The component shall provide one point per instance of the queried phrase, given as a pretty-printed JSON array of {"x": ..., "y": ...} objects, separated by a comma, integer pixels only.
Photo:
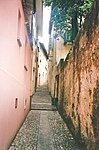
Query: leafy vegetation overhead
[{"x": 67, "y": 15}]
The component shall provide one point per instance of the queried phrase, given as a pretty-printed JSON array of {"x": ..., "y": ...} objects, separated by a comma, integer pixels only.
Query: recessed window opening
[{"x": 19, "y": 29}]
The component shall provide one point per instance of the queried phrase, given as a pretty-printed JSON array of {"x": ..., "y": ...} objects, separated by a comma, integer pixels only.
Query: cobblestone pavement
[
  {"x": 41, "y": 100},
  {"x": 43, "y": 129}
]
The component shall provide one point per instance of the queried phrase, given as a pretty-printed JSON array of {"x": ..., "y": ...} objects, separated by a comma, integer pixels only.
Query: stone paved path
[
  {"x": 41, "y": 100},
  {"x": 43, "y": 129}
]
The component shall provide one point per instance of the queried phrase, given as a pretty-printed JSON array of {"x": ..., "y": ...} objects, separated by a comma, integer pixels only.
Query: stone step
[{"x": 42, "y": 106}]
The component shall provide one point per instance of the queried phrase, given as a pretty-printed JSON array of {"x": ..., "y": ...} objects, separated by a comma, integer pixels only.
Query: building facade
[
  {"x": 37, "y": 32},
  {"x": 57, "y": 51},
  {"x": 42, "y": 66},
  {"x": 76, "y": 83},
  {"x": 15, "y": 70},
  {"x": 33, "y": 10}
]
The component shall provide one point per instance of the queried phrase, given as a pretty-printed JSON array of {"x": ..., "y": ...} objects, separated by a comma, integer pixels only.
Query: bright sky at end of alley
[{"x": 46, "y": 18}]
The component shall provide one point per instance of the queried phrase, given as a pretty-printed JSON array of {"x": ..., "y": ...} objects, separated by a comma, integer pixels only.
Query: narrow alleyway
[{"x": 43, "y": 128}]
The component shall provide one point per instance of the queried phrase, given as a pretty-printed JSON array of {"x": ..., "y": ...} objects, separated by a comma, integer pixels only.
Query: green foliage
[
  {"x": 63, "y": 12},
  {"x": 86, "y": 7},
  {"x": 61, "y": 21}
]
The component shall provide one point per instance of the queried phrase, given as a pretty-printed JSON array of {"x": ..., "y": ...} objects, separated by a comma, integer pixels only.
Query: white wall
[{"x": 42, "y": 69}]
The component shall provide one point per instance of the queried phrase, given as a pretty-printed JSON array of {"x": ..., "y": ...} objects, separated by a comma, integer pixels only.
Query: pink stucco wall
[{"x": 15, "y": 81}]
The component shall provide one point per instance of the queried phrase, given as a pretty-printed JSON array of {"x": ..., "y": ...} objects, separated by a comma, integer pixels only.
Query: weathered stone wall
[
  {"x": 80, "y": 100},
  {"x": 51, "y": 78},
  {"x": 61, "y": 85}
]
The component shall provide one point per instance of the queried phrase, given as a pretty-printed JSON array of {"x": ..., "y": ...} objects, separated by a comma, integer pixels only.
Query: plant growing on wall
[{"x": 67, "y": 15}]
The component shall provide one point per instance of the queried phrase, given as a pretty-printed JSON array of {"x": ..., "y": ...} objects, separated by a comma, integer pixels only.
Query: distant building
[
  {"x": 37, "y": 31},
  {"x": 58, "y": 49},
  {"x": 33, "y": 10},
  {"x": 42, "y": 65}
]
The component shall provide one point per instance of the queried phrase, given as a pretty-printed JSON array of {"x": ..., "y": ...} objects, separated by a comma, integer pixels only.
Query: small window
[
  {"x": 19, "y": 23},
  {"x": 34, "y": 6},
  {"x": 19, "y": 28},
  {"x": 16, "y": 103},
  {"x": 36, "y": 59}
]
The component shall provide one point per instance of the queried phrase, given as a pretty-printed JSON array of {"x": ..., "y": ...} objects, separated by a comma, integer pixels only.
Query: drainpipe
[{"x": 31, "y": 34}]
